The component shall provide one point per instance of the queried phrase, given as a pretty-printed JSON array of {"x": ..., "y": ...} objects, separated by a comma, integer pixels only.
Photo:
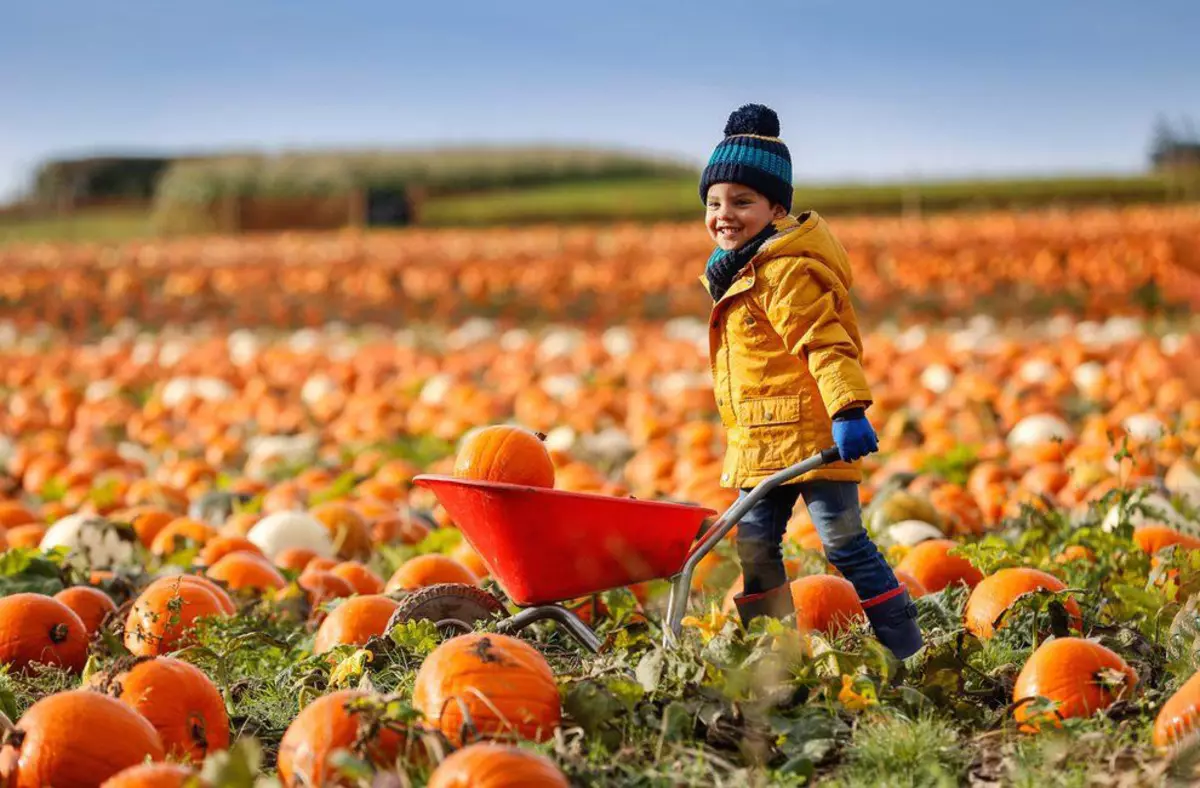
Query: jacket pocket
[{"x": 765, "y": 411}]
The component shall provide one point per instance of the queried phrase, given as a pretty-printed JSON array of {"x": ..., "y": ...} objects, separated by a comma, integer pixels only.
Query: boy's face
[{"x": 737, "y": 213}]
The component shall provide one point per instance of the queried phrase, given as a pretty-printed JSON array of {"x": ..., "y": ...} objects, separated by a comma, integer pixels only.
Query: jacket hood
[{"x": 807, "y": 235}]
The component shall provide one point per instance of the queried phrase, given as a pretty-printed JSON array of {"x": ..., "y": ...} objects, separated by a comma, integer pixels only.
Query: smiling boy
[{"x": 787, "y": 375}]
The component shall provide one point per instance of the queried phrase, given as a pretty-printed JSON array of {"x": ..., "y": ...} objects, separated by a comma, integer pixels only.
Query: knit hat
[{"x": 752, "y": 154}]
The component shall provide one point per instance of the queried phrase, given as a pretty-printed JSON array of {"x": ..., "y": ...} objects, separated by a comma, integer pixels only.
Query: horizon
[{"x": 933, "y": 92}]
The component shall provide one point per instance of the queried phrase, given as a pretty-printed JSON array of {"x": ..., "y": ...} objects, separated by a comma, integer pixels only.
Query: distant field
[{"x": 669, "y": 198}]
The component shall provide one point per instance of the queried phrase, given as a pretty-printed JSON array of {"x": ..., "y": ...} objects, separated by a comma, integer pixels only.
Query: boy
[{"x": 785, "y": 350}]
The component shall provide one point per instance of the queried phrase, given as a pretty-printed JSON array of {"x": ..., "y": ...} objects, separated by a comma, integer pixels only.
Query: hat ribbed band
[{"x": 762, "y": 163}]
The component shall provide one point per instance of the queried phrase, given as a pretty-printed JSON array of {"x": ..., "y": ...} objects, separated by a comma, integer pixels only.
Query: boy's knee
[
  {"x": 755, "y": 552},
  {"x": 843, "y": 531}
]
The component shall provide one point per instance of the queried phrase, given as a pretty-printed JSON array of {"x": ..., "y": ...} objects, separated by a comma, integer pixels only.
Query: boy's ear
[{"x": 780, "y": 211}]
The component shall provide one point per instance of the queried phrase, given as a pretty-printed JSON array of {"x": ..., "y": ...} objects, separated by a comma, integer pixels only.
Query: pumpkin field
[{"x": 223, "y": 565}]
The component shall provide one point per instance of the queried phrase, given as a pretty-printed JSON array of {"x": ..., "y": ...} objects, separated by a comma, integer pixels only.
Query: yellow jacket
[{"x": 785, "y": 352}]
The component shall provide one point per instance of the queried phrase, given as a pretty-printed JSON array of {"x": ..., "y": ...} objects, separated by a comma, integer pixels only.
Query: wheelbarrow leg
[
  {"x": 557, "y": 613},
  {"x": 681, "y": 584}
]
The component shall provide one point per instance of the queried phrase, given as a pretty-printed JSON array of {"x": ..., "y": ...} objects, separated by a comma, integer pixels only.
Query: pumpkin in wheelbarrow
[{"x": 505, "y": 453}]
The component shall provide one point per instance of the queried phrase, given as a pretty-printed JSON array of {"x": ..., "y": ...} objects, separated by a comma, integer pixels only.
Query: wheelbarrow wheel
[{"x": 454, "y": 607}]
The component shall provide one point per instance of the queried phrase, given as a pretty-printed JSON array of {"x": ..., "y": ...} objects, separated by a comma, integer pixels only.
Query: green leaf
[
  {"x": 419, "y": 637},
  {"x": 650, "y": 670}
]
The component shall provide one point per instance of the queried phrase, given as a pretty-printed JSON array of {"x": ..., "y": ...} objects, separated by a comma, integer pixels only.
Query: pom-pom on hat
[{"x": 752, "y": 154}]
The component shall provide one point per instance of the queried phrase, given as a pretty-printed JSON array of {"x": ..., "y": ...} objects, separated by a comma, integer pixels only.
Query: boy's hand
[{"x": 854, "y": 435}]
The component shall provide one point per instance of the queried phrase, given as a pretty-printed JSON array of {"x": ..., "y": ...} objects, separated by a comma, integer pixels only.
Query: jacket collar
[{"x": 744, "y": 279}]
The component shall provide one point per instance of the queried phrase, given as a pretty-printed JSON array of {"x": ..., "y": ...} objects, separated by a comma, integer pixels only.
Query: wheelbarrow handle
[{"x": 682, "y": 582}]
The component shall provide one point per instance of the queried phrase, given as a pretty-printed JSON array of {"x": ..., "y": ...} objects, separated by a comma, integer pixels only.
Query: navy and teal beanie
[{"x": 752, "y": 154}]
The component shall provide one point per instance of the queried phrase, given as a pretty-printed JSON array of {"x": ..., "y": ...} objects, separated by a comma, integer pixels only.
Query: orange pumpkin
[
  {"x": 30, "y": 535},
  {"x": 246, "y": 571},
  {"x": 226, "y": 602},
  {"x": 179, "y": 700},
  {"x": 997, "y": 593},
  {"x": 429, "y": 569},
  {"x": 932, "y": 566},
  {"x": 915, "y": 589},
  {"x": 505, "y": 453},
  {"x": 222, "y": 545},
  {"x": 155, "y": 775},
  {"x": 178, "y": 533},
  {"x": 1152, "y": 538},
  {"x": 39, "y": 629},
  {"x": 325, "y": 726},
  {"x": 503, "y": 684},
  {"x": 358, "y": 575},
  {"x": 323, "y": 585},
  {"x": 1072, "y": 673},
  {"x": 91, "y": 605},
  {"x": 824, "y": 603},
  {"x": 75, "y": 739},
  {"x": 163, "y": 615},
  {"x": 14, "y": 513},
  {"x": 355, "y": 621},
  {"x": 294, "y": 558},
  {"x": 347, "y": 528},
  {"x": 492, "y": 765},
  {"x": 1177, "y": 719}
]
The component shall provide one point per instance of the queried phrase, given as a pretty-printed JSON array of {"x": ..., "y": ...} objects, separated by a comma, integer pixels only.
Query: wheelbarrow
[{"x": 545, "y": 547}]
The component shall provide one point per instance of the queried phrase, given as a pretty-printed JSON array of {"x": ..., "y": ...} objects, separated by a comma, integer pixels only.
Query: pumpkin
[
  {"x": 222, "y": 545},
  {"x": 429, "y": 569},
  {"x": 492, "y": 765},
  {"x": 348, "y": 530},
  {"x": 469, "y": 558},
  {"x": 1176, "y": 721},
  {"x": 1152, "y": 538},
  {"x": 1077, "y": 676},
  {"x": 328, "y": 725},
  {"x": 91, "y": 605},
  {"x": 163, "y": 614},
  {"x": 24, "y": 535},
  {"x": 295, "y": 559},
  {"x": 996, "y": 593},
  {"x": 355, "y": 621},
  {"x": 180, "y": 533},
  {"x": 227, "y": 605},
  {"x": 39, "y": 629},
  {"x": 930, "y": 563},
  {"x": 246, "y": 571},
  {"x": 155, "y": 775},
  {"x": 14, "y": 513},
  {"x": 824, "y": 603},
  {"x": 500, "y": 683},
  {"x": 277, "y": 532},
  {"x": 505, "y": 453},
  {"x": 362, "y": 579},
  {"x": 323, "y": 585},
  {"x": 178, "y": 699},
  {"x": 915, "y": 589},
  {"x": 47, "y": 749},
  {"x": 98, "y": 542}
]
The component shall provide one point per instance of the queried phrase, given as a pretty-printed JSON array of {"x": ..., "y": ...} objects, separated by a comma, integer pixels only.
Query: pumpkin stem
[
  {"x": 540, "y": 435},
  {"x": 59, "y": 633}
]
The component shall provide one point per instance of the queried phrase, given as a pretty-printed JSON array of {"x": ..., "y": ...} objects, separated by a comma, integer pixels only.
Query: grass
[
  {"x": 899, "y": 751},
  {"x": 99, "y": 225},
  {"x": 669, "y": 198}
]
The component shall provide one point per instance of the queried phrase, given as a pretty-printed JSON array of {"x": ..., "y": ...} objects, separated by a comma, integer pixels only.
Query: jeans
[{"x": 837, "y": 516}]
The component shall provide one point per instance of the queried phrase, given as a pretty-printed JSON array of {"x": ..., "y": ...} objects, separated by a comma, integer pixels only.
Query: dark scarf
[{"x": 723, "y": 265}]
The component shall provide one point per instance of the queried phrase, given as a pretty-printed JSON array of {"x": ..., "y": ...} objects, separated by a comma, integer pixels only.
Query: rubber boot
[
  {"x": 893, "y": 616},
  {"x": 775, "y": 603}
]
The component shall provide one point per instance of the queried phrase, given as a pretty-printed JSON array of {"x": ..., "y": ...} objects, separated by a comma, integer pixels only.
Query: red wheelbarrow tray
[{"x": 545, "y": 545}]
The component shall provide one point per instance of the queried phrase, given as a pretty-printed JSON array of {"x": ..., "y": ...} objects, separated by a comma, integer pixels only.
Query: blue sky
[{"x": 865, "y": 90}]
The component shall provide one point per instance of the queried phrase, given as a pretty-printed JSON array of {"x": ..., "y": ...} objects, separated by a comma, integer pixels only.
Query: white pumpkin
[
  {"x": 912, "y": 532},
  {"x": 282, "y": 530},
  {"x": 1037, "y": 429},
  {"x": 95, "y": 540},
  {"x": 1183, "y": 479},
  {"x": 1144, "y": 426},
  {"x": 1159, "y": 508}
]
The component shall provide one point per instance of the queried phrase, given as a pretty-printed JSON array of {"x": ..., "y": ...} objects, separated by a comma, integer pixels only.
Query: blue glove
[{"x": 853, "y": 434}]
